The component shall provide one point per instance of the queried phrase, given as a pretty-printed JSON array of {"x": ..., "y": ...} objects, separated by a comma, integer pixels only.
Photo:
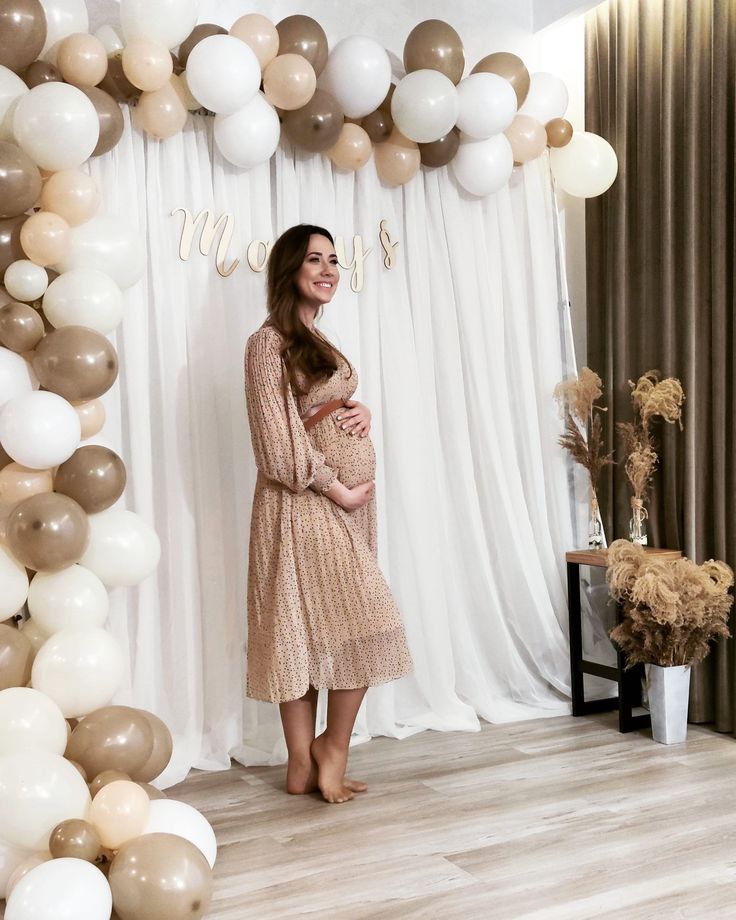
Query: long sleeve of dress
[{"x": 282, "y": 448}]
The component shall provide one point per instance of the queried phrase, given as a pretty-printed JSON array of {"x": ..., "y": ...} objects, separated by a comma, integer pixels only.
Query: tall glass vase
[
  {"x": 637, "y": 526},
  {"x": 595, "y": 531}
]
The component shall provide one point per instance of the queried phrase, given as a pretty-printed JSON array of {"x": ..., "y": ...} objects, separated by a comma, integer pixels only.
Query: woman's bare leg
[{"x": 330, "y": 749}]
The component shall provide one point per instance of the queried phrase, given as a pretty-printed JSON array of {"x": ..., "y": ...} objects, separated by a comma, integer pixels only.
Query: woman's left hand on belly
[{"x": 356, "y": 419}]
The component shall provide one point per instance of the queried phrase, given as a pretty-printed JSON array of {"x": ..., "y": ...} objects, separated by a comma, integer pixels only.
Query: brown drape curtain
[{"x": 661, "y": 248}]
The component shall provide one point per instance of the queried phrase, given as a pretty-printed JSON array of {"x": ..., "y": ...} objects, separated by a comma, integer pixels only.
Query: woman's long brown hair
[{"x": 302, "y": 351}]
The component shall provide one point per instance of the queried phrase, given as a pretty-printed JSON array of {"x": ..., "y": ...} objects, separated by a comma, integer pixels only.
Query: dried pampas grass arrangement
[{"x": 673, "y": 608}]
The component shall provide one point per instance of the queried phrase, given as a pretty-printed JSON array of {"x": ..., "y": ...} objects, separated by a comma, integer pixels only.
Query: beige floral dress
[{"x": 320, "y": 612}]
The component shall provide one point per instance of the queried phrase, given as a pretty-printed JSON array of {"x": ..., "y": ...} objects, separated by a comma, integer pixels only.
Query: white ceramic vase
[{"x": 669, "y": 691}]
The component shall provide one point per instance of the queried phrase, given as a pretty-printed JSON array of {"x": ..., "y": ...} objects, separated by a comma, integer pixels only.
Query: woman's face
[{"x": 316, "y": 281}]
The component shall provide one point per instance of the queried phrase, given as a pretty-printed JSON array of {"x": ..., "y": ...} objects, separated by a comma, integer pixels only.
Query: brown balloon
[
  {"x": 16, "y": 658},
  {"x": 159, "y": 877},
  {"x": 21, "y": 328},
  {"x": 195, "y": 37},
  {"x": 317, "y": 125},
  {"x": 22, "y": 33},
  {"x": 559, "y": 132},
  {"x": 76, "y": 362},
  {"x": 303, "y": 35},
  {"x": 48, "y": 532},
  {"x": 441, "y": 151},
  {"x": 76, "y": 838},
  {"x": 109, "y": 116},
  {"x": 112, "y": 738},
  {"x": 435, "y": 45},
  {"x": 378, "y": 125},
  {"x": 115, "y": 83},
  {"x": 40, "y": 72},
  {"x": 94, "y": 476},
  {"x": 508, "y": 66},
  {"x": 105, "y": 778},
  {"x": 20, "y": 180},
  {"x": 152, "y": 792},
  {"x": 10, "y": 247},
  {"x": 163, "y": 746}
]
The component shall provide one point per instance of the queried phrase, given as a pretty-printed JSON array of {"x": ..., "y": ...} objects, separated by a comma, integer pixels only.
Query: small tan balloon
[
  {"x": 91, "y": 416},
  {"x": 161, "y": 113},
  {"x": 289, "y": 81},
  {"x": 260, "y": 34},
  {"x": 147, "y": 64},
  {"x": 18, "y": 483},
  {"x": 559, "y": 132},
  {"x": 73, "y": 195},
  {"x": 527, "y": 138},
  {"x": 21, "y": 328},
  {"x": 119, "y": 812},
  {"x": 75, "y": 838},
  {"x": 82, "y": 59},
  {"x": 397, "y": 160},
  {"x": 45, "y": 238},
  {"x": 353, "y": 148}
]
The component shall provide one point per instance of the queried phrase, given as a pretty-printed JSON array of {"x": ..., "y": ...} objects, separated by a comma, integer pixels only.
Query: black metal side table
[{"x": 629, "y": 682}]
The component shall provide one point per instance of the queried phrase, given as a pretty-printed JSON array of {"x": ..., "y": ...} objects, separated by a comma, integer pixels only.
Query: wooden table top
[{"x": 597, "y": 557}]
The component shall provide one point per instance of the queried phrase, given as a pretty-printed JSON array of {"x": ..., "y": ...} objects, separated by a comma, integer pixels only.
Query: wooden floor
[{"x": 559, "y": 819}]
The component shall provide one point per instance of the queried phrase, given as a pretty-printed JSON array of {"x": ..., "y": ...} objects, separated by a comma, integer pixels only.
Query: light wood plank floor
[{"x": 558, "y": 819}]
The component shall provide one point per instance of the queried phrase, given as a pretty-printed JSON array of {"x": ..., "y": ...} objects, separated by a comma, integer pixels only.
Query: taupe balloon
[
  {"x": 152, "y": 792},
  {"x": 160, "y": 877},
  {"x": 317, "y": 125},
  {"x": 21, "y": 328},
  {"x": 104, "y": 778},
  {"x": 47, "y": 532},
  {"x": 508, "y": 66},
  {"x": 195, "y": 37},
  {"x": 40, "y": 72},
  {"x": 559, "y": 132},
  {"x": 378, "y": 125},
  {"x": 435, "y": 45},
  {"x": 163, "y": 746},
  {"x": 76, "y": 362},
  {"x": 75, "y": 838},
  {"x": 441, "y": 151},
  {"x": 303, "y": 35},
  {"x": 16, "y": 658},
  {"x": 94, "y": 476},
  {"x": 22, "y": 33},
  {"x": 10, "y": 247},
  {"x": 115, "y": 83},
  {"x": 112, "y": 738},
  {"x": 109, "y": 116},
  {"x": 20, "y": 180},
  {"x": 5, "y": 458}
]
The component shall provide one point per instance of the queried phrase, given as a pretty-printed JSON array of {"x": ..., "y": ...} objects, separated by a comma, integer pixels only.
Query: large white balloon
[
  {"x": 167, "y": 816},
  {"x": 11, "y": 89},
  {"x": 585, "y": 167},
  {"x": 84, "y": 297},
  {"x": 38, "y": 789},
  {"x": 487, "y": 105},
  {"x": 425, "y": 106},
  {"x": 249, "y": 136},
  {"x": 25, "y": 281},
  {"x": 63, "y": 17},
  {"x": 108, "y": 245},
  {"x": 547, "y": 97},
  {"x": 70, "y": 597},
  {"x": 223, "y": 73},
  {"x": 123, "y": 549},
  {"x": 357, "y": 74},
  {"x": 165, "y": 21},
  {"x": 56, "y": 125},
  {"x": 80, "y": 668},
  {"x": 483, "y": 167},
  {"x": 39, "y": 429},
  {"x": 61, "y": 889},
  {"x": 10, "y": 858},
  {"x": 13, "y": 584},
  {"x": 29, "y": 719},
  {"x": 16, "y": 376}
]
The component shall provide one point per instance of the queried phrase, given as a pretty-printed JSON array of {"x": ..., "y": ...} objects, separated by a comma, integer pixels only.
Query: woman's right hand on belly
[{"x": 350, "y": 499}]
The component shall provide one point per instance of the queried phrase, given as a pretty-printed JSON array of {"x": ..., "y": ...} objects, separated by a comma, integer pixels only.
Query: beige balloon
[
  {"x": 45, "y": 238},
  {"x": 527, "y": 137},
  {"x": 161, "y": 113},
  {"x": 397, "y": 160},
  {"x": 353, "y": 148},
  {"x": 119, "y": 812},
  {"x": 18, "y": 483},
  {"x": 289, "y": 81},
  {"x": 147, "y": 64},
  {"x": 82, "y": 59},
  {"x": 91, "y": 416},
  {"x": 179, "y": 82},
  {"x": 260, "y": 34},
  {"x": 73, "y": 195}
]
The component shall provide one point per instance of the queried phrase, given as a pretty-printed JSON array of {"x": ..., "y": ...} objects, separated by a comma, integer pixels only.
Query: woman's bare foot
[
  {"x": 301, "y": 778},
  {"x": 331, "y": 763}
]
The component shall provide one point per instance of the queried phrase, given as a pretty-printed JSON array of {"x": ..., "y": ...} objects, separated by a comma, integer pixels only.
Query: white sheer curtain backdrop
[{"x": 458, "y": 348}]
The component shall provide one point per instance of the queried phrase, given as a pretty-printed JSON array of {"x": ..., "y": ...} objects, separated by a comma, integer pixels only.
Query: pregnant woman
[{"x": 320, "y": 613}]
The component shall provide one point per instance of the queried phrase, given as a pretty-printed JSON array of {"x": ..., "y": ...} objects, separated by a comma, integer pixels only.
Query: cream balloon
[
  {"x": 91, "y": 416},
  {"x": 547, "y": 98},
  {"x": 168, "y": 816},
  {"x": 358, "y": 75},
  {"x": 147, "y": 64},
  {"x": 119, "y": 812},
  {"x": 223, "y": 73},
  {"x": 71, "y": 597},
  {"x": 63, "y": 17},
  {"x": 45, "y": 238},
  {"x": 29, "y": 719},
  {"x": 425, "y": 106},
  {"x": 260, "y": 34},
  {"x": 162, "y": 113},
  {"x": 289, "y": 81},
  {"x": 15, "y": 378},
  {"x": 81, "y": 59},
  {"x": 10, "y": 858},
  {"x": 56, "y": 125},
  {"x": 586, "y": 167},
  {"x": 38, "y": 789},
  {"x": 108, "y": 245},
  {"x": 25, "y": 281},
  {"x": 84, "y": 297},
  {"x": 61, "y": 889},
  {"x": 13, "y": 584},
  {"x": 487, "y": 105},
  {"x": 165, "y": 21},
  {"x": 18, "y": 483},
  {"x": 123, "y": 549},
  {"x": 71, "y": 194},
  {"x": 353, "y": 148},
  {"x": 250, "y": 136},
  {"x": 179, "y": 82},
  {"x": 39, "y": 429},
  {"x": 482, "y": 167},
  {"x": 11, "y": 90}
]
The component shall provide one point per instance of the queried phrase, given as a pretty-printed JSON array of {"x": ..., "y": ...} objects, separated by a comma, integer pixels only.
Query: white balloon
[
  {"x": 487, "y": 105},
  {"x": 167, "y": 816},
  {"x": 110, "y": 39},
  {"x": 70, "y": 597},
  {"x": 547, "y": 97},
  {"x": 56, "y": 125},
  {"x": 61, "y": 889},
  {"x": 165, "y": 21},
  {"x": 585, "y": 167},
  {"x": 357, "y": 74},
  {"x": 16, "y": 376},
  {"x": 39, "y": 429},
  {"x": 13, "y": 584},
  {"x": 29, "y": 719},
  {"x": 482, "y": 167},
  {"x": 223, "y": 73},
  {"x": 63, "y": 17},
  {"x": 249, "y": 136},
  {"x": 25, "y": 281},
  {"x": 38, "y": 789},
  {"x": 108, "y": 245},
  {"x": 123, "y": 549},
  {"x": 11, "y": 89},
  {"x": 84, "y": 297},
  {"x": 10, "y": 858},
  {"x": 80, "y": 668},
  {"x": 425, "y": 106}
]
